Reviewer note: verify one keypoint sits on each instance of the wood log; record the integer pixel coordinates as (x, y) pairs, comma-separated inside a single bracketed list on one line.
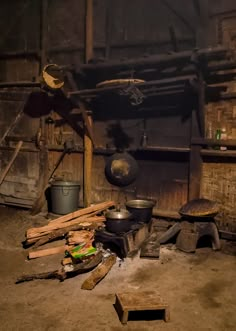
[(82, 212), (39, 241), (36, 232), (78, 237), (99, 273), (47, 251), (170, 233), (67, 260), (61, 274)]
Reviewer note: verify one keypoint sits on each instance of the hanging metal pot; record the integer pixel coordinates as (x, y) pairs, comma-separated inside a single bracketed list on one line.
[(121, 169)]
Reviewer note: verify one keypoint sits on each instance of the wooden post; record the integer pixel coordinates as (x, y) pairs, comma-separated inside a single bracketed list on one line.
[(88, 158), (88, 147), (195, 163), (108, 26), (201, 8), (43, 34), (43, 153)]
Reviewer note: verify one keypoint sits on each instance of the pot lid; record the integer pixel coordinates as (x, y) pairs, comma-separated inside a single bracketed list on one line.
[(118, 215)]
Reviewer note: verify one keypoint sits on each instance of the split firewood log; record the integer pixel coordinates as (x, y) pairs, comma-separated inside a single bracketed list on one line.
[(99, 273), (47, 251), (89, 211), (78, 237), (44, 230), (67, 260), (61, 233), (64, 272)]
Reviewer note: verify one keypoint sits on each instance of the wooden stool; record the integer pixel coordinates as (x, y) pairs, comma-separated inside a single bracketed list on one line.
[(131, 301)]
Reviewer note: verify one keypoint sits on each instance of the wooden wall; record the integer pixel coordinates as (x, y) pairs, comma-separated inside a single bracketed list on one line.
[(218, 174), (122, 29)]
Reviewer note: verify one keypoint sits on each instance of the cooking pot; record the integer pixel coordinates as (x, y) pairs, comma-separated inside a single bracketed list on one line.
[(141, 209), (121, 169), (119, 221)]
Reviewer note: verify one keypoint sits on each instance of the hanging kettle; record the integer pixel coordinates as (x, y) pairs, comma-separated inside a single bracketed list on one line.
[(121, 169)]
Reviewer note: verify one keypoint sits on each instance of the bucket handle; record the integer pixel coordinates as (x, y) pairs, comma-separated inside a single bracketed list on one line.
[(65, 191)]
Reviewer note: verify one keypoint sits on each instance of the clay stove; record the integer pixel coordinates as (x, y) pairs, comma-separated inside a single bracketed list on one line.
[(124, 244)]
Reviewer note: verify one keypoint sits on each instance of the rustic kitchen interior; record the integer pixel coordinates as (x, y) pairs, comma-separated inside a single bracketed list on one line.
[(117, 167)]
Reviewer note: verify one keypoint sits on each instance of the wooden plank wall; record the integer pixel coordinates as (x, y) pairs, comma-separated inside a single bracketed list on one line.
[(133, 24)]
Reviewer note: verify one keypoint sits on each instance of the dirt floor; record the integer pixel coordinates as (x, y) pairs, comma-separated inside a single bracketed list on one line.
[(200, 288)]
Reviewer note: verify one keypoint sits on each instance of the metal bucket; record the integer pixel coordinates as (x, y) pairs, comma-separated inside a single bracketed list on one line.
[(64, 197)]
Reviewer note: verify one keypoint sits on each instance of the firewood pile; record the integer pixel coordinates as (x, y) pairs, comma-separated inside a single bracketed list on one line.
[(80, 255)]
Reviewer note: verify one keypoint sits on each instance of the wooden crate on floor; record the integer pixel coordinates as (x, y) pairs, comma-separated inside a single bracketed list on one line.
[(140, 301)]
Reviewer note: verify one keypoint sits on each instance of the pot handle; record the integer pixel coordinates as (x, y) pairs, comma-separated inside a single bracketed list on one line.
[(118, 207)]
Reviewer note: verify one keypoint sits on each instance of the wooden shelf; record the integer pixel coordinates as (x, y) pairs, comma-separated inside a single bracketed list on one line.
[(218, 153), (110, 151), (162, 149), (228, 95), (214, 142), (165, 149)]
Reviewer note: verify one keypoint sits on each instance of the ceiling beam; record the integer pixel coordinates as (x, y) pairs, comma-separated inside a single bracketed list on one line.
[(180, 16)]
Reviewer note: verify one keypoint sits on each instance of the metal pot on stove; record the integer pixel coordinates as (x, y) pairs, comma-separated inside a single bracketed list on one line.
[(119, 221), (141, 209)]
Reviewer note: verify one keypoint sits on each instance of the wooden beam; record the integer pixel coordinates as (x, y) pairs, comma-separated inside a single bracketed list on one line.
[(202, 10), (87, 121), (74, 124), (89, 31), (195, 162), (88, 159), (196, 6), (201, 103), (160, 60), (43, 34), (173, 38), (180, 16), (80, 105), (88, 147), (159, 82), (108, 29)]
